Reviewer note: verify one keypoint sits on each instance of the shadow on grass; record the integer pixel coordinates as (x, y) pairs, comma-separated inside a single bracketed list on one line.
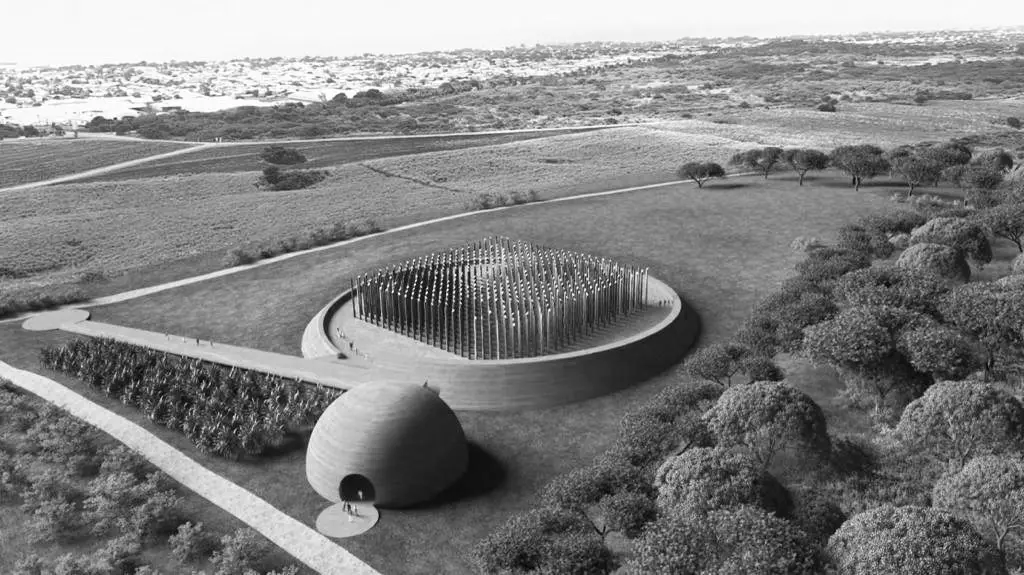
[(484, 473), (728, 186), (845, 183)]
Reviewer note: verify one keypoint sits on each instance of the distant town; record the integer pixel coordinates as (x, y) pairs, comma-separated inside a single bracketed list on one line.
[(68, 97)]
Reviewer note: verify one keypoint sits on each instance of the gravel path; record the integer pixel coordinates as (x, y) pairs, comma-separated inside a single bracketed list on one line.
[(301, 542)]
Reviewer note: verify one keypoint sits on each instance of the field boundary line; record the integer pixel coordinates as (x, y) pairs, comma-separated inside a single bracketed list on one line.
[(105, 169), (142, 292), (303, 543)]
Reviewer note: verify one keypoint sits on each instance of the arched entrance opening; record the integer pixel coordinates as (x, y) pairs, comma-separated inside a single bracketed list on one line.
[(356, 488)]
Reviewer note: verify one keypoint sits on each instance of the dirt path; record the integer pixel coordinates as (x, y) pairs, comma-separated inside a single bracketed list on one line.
[(301, 542), (104, 169)]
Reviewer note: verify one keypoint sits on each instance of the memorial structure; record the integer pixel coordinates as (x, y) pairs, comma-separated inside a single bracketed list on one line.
[(500, 298)]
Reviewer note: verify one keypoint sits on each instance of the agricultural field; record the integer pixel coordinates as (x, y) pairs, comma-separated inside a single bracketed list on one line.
[(231, 158), (721, 248), (36, 159)]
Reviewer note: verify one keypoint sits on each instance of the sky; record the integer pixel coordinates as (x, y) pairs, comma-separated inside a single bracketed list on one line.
[(60, 32)]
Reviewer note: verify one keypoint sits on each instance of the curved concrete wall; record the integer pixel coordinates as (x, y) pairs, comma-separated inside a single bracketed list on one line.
[(498, 385)]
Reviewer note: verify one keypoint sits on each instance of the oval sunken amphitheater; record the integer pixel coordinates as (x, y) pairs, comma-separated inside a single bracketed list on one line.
[(527, 383), (399, 443)]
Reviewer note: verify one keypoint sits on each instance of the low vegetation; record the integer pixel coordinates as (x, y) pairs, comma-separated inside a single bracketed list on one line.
[(85, 504), (27, 300), (319, 237), (230, 413), (26, 161)]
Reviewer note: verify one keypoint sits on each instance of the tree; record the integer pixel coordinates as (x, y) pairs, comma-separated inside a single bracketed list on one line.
[(988, 492), (915, 168), (585, 486), (706, 478), (992, 314), (762, 160), (739, 540), (939, 351), (778, 320), (999, 160), (861, 343), (700, 172), (719, 362), (939, 260), (1005, 221), (879, 542), (860, 161), (956, 420), (766, 417), (887, 285), (669, 424), (542, 540), (627, 512)]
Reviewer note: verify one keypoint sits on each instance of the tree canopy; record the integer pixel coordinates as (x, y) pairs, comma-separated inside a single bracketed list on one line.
[(762, 160), (879, 542), (547, 540), (939, 260), (700, 172), (737, 540), (766, 417), (961, 234), (988, 492), (1005, 221), (991, 313), (720, 362), (860, 162), (803, 160), (707, 478), (957, 420)]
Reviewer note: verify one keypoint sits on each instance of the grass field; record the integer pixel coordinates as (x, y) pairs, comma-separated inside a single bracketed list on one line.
[(720, 248), (36, 159), (245, 157)]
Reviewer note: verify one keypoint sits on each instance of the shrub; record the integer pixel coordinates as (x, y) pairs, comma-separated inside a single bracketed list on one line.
[(12, 303), (961, 234), (70, 564), (30, 564), (740, 540), (238, 257), (805, 244), (890, 286), (826, 107), (719, 362), (826, 264), (703, 479), (274, 178), (870, 242), (877, 541), (191, 543), (939, 351), (765, 417), (244, 549), (281, 155), (893, 221), (1018, 265), (936, 259), (66, 440), (1005, 221), (627, 512), (1013, 122), (817, 515), (990, 312), (537, 539), (123, 554)]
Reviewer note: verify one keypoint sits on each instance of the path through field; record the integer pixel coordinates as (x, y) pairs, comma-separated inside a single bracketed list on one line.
[(104, 169), (303, 543)]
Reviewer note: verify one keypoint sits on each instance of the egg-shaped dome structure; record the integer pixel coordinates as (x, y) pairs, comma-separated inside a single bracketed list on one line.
[(395, 444)]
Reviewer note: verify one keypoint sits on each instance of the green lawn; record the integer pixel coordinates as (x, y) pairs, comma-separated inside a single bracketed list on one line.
[(721, 248), (35, 159)]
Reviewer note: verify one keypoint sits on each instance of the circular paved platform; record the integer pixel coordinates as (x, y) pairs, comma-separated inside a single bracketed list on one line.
[(52, 320), (335, 522)]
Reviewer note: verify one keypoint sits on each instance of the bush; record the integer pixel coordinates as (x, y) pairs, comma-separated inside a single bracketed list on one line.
[(703, 479), (318, 237), (961, 234), (817, 515), (627, 512), (281, 155), (989, 492), (878, 541), (870, 242), (542, 540), (244, 549), (739, 540), (765, 417), (13, 303), (31, 564), (1018, 265), (274, 178), (824, 265), (890, 286), (1013, 122), (191, 543), (936, 259), (826, 107), (893, 221)]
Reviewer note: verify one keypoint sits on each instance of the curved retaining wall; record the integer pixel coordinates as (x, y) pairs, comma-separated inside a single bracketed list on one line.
[(499, 385)]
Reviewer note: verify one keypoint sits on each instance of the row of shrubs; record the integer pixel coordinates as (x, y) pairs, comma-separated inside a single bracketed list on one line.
[(318, 237), (487, 201), (74, 486), (228, 412)]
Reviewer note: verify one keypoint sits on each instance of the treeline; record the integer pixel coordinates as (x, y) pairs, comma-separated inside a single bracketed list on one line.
[(737, 471), (924, 164)]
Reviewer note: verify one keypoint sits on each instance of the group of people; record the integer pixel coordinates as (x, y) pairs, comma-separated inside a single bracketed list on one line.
[(351, 344), (351, 510)]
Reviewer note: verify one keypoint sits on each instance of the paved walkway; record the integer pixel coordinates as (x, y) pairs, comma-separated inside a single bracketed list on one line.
[(301, 542), (337, 374)]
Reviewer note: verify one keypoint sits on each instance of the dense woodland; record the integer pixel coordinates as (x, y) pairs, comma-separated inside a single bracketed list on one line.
[(735, 471)]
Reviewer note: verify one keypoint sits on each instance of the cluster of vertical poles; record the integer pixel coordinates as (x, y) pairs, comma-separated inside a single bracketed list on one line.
[(499, 298)]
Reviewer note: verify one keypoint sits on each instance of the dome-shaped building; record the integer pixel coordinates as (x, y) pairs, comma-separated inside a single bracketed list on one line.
[(395, 444)]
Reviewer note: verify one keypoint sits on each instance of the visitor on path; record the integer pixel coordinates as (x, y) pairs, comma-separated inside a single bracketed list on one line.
[(351, 346), (360, 493)]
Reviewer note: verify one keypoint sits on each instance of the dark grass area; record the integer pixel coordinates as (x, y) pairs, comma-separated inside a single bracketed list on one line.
[(35, 159), (244, 157), (719, 248)]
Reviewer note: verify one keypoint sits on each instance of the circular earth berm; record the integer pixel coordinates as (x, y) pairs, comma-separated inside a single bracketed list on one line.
[(54, 319), (399, 444)]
